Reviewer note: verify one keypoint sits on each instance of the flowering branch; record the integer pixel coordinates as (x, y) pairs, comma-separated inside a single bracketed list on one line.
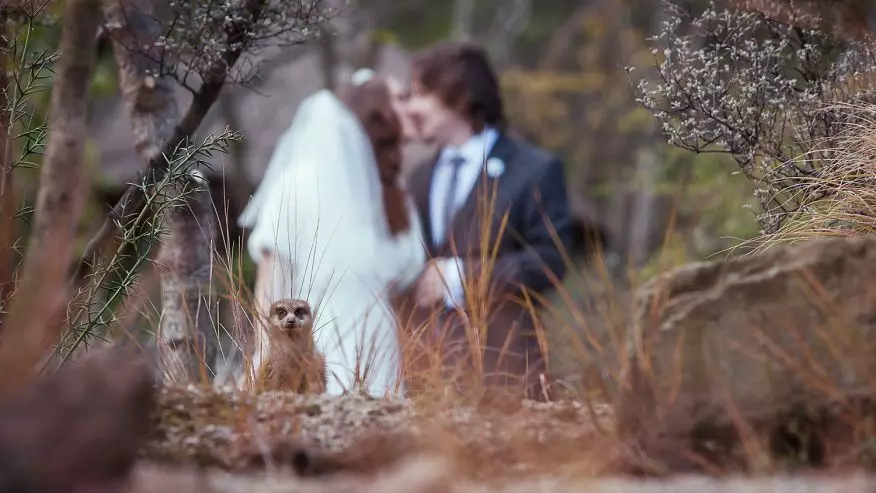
[(745, 84)]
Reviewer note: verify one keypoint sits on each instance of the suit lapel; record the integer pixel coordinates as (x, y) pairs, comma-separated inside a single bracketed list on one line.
[(503, 150)]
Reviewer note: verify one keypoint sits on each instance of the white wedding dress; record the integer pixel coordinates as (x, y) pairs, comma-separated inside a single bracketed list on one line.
[(319, 209)]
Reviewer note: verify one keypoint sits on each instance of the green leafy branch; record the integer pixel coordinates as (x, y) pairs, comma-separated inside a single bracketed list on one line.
[(141, 232)]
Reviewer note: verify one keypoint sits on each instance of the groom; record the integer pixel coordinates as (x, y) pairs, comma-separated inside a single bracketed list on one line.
[(479, 175)]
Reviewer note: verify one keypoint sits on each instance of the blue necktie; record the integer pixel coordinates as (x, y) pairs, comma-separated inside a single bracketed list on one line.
[(456, 162)]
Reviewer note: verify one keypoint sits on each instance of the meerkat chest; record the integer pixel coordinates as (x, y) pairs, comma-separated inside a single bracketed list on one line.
[(296, 366), (286, 348)]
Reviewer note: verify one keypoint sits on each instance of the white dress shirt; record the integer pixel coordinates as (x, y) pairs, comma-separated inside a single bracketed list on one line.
[(475, 152)]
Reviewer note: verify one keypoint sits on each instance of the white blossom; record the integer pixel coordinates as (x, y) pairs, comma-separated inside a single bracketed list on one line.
[(740, 83)]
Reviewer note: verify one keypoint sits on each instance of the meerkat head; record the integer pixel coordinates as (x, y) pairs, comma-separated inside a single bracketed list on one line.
[(291, 315)]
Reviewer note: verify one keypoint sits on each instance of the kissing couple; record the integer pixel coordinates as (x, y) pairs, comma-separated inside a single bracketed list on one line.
[(450, 263)]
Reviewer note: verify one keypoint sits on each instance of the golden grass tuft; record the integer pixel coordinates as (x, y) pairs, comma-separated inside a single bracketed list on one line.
[(840, 193)]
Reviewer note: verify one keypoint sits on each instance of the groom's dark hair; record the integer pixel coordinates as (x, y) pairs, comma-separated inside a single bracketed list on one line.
[(461, 75)]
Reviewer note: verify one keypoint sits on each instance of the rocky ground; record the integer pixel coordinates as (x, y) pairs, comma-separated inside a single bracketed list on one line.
[(225, 429), (104, 427)]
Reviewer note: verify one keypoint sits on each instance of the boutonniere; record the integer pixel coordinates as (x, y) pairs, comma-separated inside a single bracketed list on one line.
[(495, 167)]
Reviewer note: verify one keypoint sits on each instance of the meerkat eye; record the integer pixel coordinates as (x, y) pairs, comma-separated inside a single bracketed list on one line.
[(281, 312), (300, 312)]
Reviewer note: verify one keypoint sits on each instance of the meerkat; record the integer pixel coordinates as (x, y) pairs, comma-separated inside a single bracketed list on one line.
[(294, 363)]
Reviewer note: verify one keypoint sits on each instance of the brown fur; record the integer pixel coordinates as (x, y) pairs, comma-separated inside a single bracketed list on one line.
[(294, 364)]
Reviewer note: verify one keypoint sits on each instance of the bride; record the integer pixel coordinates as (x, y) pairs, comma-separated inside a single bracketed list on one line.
[(332, 225)]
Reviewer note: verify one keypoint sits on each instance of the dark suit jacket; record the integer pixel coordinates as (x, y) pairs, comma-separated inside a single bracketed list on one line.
[(506, 233)]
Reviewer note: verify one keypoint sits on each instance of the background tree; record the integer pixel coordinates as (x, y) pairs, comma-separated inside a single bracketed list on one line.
[(44, 282), (199, 45), (763, 90), (26, 58)]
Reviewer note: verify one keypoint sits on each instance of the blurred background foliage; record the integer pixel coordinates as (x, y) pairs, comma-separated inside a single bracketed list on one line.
[(563, 70), (567, 89), (564, 79)]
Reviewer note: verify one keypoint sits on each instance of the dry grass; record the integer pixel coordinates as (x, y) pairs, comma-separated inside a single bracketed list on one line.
[(480, 295), (840, 193), (235, 314), (601, 350), (597, 352)]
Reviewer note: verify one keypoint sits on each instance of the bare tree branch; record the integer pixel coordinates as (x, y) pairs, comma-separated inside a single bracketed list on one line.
[(133, 199), (747, 84), (199, 44)]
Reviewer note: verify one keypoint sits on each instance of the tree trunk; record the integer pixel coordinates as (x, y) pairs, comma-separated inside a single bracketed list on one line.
[(645, 208), (335, 47), (328, 59), (236, 187), (185, 336), (150, 99), (44, 290), (212, 81), (463, 18), (8, 208), (241, 188), (508, 25), (649, 211), (345, 42)]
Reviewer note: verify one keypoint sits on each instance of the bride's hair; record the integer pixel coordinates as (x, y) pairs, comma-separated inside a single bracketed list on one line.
[(372, 104)]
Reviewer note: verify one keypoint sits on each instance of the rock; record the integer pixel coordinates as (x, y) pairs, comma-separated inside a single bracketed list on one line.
[(77, 429), (226, 429), (751, 339)]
